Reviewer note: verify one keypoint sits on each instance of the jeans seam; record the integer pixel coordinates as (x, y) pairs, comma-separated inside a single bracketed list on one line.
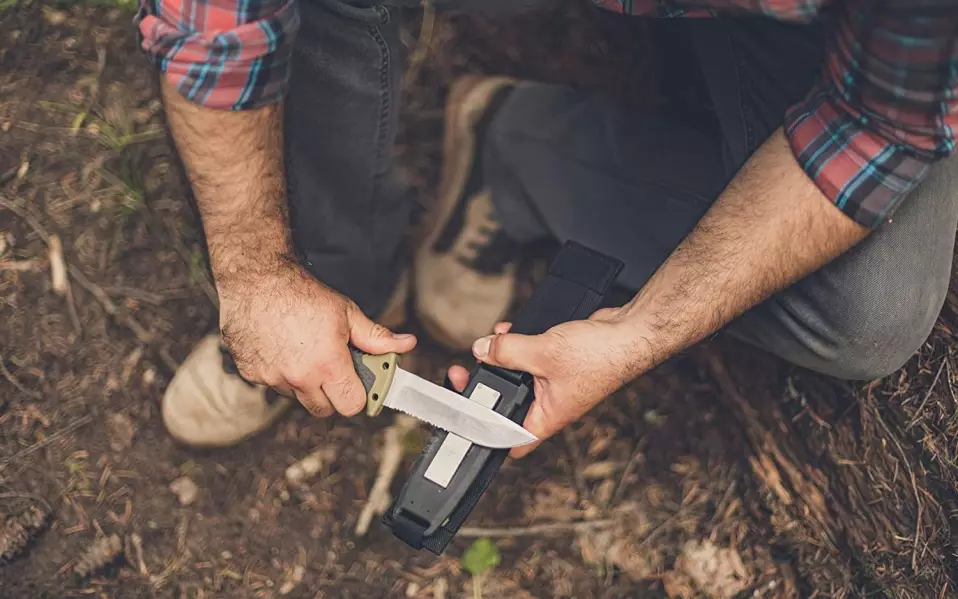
[(743, 85), (385, 103)]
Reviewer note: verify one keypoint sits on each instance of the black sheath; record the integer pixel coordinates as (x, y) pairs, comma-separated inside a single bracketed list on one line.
[(426, 515)]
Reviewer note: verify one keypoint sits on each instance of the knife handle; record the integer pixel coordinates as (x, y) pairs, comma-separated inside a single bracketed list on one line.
[(376, 374)]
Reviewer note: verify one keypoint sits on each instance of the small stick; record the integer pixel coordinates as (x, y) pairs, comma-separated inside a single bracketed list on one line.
[(423, 43), (95, 290), (536, 529), (13, 381), (575, 454), (931, 388), (627, 472), (21, 265), (58, 276), (58, 269), (79, 422), (388, 466)]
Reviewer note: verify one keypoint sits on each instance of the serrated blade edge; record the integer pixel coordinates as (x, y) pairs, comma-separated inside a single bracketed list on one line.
[(452, 412)]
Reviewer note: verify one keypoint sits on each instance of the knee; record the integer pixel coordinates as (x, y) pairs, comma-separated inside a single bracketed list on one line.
[(877, 347)]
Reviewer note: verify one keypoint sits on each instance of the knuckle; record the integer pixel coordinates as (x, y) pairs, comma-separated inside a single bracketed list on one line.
[(319, 409), (297, 378), (378, 331), (556, 348)]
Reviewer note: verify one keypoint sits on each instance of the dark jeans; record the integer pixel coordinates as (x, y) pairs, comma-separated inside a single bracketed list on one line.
[(565, 163)]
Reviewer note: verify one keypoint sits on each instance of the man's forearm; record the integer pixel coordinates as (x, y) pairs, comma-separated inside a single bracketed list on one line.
[(235, 164), (768, 229)]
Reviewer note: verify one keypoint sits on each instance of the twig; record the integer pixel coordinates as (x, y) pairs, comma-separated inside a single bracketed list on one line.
[(914, 486), (58, 276), (422, 44), (95, 290), (626, 473), (72, 310), (13, 381), (575, 453), (137, 542), (36, 498), (949, 380), (388, 466), (536, 529), (79, 422), (22, 265), (58, 269), (931, 388)]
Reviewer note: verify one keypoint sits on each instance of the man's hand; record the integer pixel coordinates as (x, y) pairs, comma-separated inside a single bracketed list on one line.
[(575, 364), (288, 331), (770, 227), (284, 328)]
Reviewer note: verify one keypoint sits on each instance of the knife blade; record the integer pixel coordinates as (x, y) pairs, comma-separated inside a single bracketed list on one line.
[(388, 385)]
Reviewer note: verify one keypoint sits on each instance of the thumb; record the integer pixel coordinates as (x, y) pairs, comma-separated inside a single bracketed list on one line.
[(374, 338), (528, 353)]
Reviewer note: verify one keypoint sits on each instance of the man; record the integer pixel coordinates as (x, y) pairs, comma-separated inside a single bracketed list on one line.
[(810, 205)]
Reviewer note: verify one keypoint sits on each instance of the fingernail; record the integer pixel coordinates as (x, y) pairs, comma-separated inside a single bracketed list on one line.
[(480, 348), (401, 336)]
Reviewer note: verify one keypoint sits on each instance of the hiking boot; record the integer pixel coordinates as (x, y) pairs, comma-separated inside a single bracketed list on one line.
[(465, 269), (208, 404)]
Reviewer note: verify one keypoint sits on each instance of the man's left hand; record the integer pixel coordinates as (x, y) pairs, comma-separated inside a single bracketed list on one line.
[(575, 364)]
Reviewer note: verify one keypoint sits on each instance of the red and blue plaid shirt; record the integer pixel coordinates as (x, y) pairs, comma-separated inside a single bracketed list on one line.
[(883, 111)]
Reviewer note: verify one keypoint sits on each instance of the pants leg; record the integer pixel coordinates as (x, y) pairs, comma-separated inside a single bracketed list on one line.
[(571, 164), (346, 207), (348, 211)]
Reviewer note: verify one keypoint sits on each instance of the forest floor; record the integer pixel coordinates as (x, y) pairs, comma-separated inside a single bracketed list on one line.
[(724, 473)]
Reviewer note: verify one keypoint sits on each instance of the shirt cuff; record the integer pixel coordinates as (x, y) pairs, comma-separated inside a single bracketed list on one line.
[(238, 68), (858, 169)]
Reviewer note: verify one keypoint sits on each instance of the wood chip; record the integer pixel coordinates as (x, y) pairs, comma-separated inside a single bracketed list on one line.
[(101, 554), (309, 466), (293, 579), (185, 489), (58, 268)]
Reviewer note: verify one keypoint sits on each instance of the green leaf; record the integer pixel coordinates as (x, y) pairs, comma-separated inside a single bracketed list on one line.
[(482, 555)]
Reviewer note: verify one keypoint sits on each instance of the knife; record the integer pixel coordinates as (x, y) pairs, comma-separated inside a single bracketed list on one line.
[(388, 385)]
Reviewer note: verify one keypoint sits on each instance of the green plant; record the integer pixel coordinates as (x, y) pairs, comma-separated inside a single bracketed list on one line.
[(482, 555)]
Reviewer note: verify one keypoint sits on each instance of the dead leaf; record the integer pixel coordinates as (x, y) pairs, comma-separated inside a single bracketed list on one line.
[(121, 430), (703, 568), (185, 489)]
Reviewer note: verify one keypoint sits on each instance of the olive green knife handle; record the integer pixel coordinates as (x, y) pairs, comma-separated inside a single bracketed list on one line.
[(376, 373)]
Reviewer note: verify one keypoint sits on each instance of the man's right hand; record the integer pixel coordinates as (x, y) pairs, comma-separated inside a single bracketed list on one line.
[(287, 330), (284, 328)]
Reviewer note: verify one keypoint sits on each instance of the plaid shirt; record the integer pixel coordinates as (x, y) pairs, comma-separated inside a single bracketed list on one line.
[(882, 112)]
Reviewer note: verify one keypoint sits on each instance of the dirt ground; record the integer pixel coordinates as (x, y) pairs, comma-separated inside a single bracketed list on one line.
[(724, 473)]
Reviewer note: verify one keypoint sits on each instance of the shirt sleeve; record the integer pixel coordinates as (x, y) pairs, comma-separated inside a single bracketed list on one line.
[(226, 54), (884, 109)]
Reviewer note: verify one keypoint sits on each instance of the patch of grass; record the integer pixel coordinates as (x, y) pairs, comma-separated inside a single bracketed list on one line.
[(128, 181)]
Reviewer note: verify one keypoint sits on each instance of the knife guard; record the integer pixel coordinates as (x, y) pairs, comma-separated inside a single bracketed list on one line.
[(428, 515)]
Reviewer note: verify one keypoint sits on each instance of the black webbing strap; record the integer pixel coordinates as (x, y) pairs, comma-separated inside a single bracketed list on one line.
[(573, 289)]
